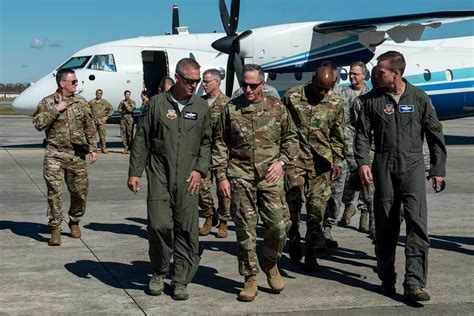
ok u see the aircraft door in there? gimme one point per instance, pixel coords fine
(155, 67)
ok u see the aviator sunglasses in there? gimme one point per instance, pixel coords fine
(252, 86)
(188, 80)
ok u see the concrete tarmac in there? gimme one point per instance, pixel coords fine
(107, 270)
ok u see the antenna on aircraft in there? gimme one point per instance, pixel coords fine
(175, 20)
(230, 44)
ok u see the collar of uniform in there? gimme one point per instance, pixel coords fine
(170, 98)
(57, 97)
(409, 88)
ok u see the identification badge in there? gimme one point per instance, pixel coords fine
(406, 108)
(388, 109)
(171, 114)
(190, 116)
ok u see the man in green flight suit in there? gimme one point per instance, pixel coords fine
(400, 116)
(173, 142)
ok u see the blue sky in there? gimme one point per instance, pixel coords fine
(38, 35)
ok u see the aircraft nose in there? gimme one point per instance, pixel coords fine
(27, 101)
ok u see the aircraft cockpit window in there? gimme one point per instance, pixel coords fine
(449, 75)
(427, 74)
(76, 62)
(103, 62)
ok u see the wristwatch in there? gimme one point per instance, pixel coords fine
(282, 163)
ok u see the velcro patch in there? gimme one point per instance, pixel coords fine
(406, 108)
(190, 116)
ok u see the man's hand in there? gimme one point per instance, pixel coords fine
(104, 119)
(93, 157)
(223, 189)
(335, 172)
(61, 106)
(194, 180)
(365, 174)
(437, 183)
(274, 172)
(132, 183)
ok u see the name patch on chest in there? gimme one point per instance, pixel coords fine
(406, 108)
(190, 116)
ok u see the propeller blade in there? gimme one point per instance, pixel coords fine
(224, 17)
(234, 15)
(229, 76)
(175, 21)
(238, 67)
(243, 35)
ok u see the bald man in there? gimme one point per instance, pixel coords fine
(319, 116)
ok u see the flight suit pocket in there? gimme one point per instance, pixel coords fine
(157, 191)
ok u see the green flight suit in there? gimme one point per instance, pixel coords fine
(171, 144)
(399, 175)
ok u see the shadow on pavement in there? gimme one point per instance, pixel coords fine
(127, 229)
(449, 243)
(27, 229)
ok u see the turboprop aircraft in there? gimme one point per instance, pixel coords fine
(288, 53)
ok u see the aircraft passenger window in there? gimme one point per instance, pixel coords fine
(76, 62)
(103, 62)
(449, 75)
(343, 74)
(427, 75)
(298, 75)
(272, 75)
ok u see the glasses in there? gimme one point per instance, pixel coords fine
(252, 86)
(73, 82)
(355, 74)
(189, 81)
(208, 81)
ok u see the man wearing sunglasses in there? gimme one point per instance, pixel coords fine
(173, 142)
(216, 100)
(318, 114)
(254, 139)
(70, 136)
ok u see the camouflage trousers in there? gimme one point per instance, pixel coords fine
(334, 203)
(251, 200)
(314, 188)
(74, 172)
(126, 131)
(102, 131)
(206, 202)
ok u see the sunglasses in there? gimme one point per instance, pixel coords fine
(189, 81)
(252, 86)
(73, 82)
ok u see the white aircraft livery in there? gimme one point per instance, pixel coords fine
(288, 53)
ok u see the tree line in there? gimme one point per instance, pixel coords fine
(13, 87)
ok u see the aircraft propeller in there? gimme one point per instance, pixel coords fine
(230, 44)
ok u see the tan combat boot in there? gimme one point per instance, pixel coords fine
(75, 230)
(274, 278)
(250, 290)
(364, 222)
(104, 151)
(346, 217)
(206, 228)
(125, 150)
(222, 232)
(55, 239)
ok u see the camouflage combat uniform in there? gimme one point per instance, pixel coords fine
(101, 108)
(126, 122)
(248, 139)
(206, 202)
(70, 136)
(321, 133)
(347, 94)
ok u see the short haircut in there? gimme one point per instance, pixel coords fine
(187, 63)
(62, 74)
(215, 74)
(146, 93)
(396, 61)
(164, 81)
(99, 90)
(254, 67)
(361, 65)
(330, 64)
(125, 92)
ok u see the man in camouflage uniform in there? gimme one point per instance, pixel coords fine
(126, 108)
(254, 138)
(70, 136)
(318, 114)
(216, 100)
(101, 110)
(357, 74)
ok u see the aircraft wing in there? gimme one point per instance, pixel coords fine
(398, 27)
